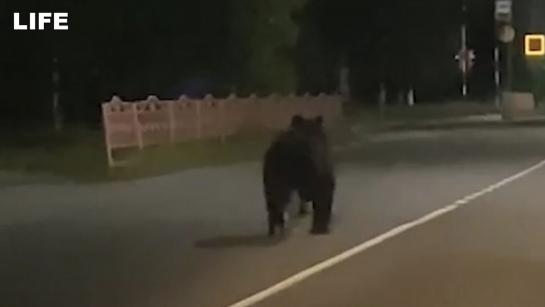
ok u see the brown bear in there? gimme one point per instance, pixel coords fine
(299, 161)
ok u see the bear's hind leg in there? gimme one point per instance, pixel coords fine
(322, 213)
(272, 223)
(276, 218)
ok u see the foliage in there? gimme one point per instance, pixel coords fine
(265, 37)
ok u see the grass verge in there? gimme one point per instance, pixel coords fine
(79, 155)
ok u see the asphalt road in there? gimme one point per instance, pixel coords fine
(196, 238)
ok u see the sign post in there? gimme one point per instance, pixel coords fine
(465, 57)
(503, 15)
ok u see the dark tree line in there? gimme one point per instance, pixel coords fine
(129, 48)
(167, 48)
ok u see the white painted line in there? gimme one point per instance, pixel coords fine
(313, 270)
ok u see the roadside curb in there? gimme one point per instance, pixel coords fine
(363, 135)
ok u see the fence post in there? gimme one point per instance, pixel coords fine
(171, 121)
(136, 125)
(223, 120)
(106, 127)
(198, 126)
(182, 105)
(256, 114)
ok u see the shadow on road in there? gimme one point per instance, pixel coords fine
(222, 242)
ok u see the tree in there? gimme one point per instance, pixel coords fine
(265, 36)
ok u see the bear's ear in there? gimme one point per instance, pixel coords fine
(319, 120)
(296, 121)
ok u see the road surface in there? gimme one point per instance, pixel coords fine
(196, 238)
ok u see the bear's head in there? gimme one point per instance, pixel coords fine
(308, 128)
(310, 141)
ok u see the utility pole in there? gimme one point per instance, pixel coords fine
(509, 70)
(465, 56)
(464, 49)
(55, 106)
(382, 96)
(344, 82)
(497, 75)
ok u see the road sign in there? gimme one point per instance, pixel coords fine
(504, 10)
(506, 34)
(466, 59)
(534, 45)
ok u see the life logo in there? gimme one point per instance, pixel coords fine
(40, 21)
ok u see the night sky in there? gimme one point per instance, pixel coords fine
(136, 48)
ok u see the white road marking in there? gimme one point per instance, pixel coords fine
(315, 269)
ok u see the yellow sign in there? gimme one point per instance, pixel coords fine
(534, 45)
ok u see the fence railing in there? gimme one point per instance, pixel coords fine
(153, 122)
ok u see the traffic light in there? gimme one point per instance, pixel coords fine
(534, 45)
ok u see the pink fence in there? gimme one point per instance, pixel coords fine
(153, 122)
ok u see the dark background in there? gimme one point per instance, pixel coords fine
(168, 48)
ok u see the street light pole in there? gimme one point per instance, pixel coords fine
(464, 59)
(56, 109)
(509, 69)
(497, 75)
(506, 34)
